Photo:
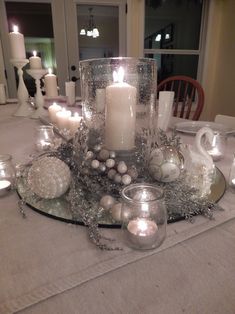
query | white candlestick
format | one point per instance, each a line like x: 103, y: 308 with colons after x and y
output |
x: 120, y: 115
x: 51, y: 84
x: 3, y: 98
x: 35, y: 62
x: 52, y: 110
x: 62, y: 119
x: 17, y: 44
x: 74, y: 123
x: 70, y: 92
x: 142, y: 232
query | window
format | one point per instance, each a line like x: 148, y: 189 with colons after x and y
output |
x: 173, y: 36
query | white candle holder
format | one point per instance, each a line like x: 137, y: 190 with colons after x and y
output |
x: 143, y: 216
x: 37, y: 74
x: 24, y: 109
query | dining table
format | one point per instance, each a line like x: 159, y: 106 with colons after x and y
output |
x: 51, y: 266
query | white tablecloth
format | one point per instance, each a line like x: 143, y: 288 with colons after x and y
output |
x: 47, y: 266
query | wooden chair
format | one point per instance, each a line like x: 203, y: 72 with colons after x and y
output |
x: 189, y: 96
x: 229, y: 121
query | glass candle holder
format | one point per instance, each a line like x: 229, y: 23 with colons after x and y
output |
x: 231, y: 180
x: 118, y: 100
x: 143, y: 216
x: 7, y: 174
x: 45, y: 138
x: 218, y: 146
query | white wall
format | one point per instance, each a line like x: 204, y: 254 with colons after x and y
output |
x: 219, y: 67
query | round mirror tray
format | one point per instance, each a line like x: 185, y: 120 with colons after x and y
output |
x: 59, y: 208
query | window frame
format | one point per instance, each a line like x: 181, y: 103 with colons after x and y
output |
x: 202, y: 42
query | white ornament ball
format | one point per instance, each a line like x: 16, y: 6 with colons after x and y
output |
x: 122, y: 167
x: 170, y: 172
x: 116, y: 211
x: 126, y: 179
x: 165, y: 164
x: 132, y: 171
x: 49, y: 177
x: 110, y: 163
x: 89, y: 154
x: 102, y: 167
x: 107, y: 202
x: 112, y: 154
x: 95, y: 164
x: 117, y: 178
x: 111, y: 174
x: 103, y: 154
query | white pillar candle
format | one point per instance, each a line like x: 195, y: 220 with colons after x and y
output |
x: 35, y: 62
x: 120, y: 114
x: 70, y: 92
x: 166, y: 99
x: 62, y: 119
x: 51, y: 84
x: 52, y: 110
x: 74, y: 123
x: 3, y: 98
x: 100, y: 99
x: 17, y: 44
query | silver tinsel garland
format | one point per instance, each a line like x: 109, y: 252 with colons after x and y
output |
x: 88, y: 187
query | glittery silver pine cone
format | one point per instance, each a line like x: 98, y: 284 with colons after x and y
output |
x: 49, y: 177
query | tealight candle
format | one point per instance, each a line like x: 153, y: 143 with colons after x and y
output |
x: 74, y: 123
x: 44, y: 138
x: 62, y: 119
x: 35, y: 62
x: 52, y: 110
x: 5, y: 186
x: 142, y: 232
x: 51, y: 84
x: 143, y: 216
x: 120, y: 115
x: 17, y: 44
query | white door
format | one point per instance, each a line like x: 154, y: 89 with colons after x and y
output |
x: 109, y: 17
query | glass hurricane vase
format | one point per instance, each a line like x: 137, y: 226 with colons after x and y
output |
x: 118, y: 101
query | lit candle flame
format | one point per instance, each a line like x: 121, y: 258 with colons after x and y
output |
x: 49, y: 71
x: 119, y: 75
x: 15, y: 29
x: 34, y: 53
x: 142, y: 225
